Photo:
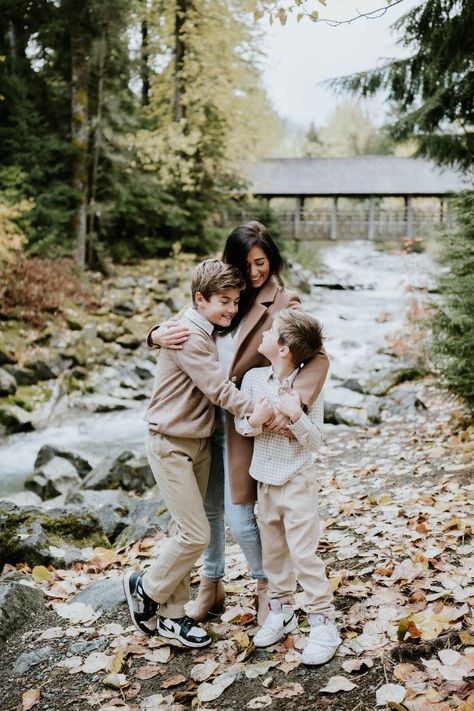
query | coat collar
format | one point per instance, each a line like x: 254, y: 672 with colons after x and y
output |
x: 265, y: 297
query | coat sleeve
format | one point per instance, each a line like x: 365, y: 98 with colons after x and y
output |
x: 311, y: 378
x: 153, y: 346
x: 202, y: 366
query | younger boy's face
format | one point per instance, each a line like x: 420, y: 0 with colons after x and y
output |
x: 221, y: 308
x: 270, y: 345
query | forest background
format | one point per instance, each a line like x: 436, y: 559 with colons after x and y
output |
x: 125, y: 125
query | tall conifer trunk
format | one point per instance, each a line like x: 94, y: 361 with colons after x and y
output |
x: 179, y: 52
x: 80, y: 124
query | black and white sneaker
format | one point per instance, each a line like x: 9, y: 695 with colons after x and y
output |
x: 183, y: 629
x: 142, y: 608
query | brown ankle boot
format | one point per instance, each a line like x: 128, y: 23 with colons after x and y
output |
x: 210, y: 600
x: 262, y: 601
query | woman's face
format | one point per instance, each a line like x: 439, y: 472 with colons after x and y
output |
x: 258, y: 267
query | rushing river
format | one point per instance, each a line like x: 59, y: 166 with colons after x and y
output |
x: 376, y: 279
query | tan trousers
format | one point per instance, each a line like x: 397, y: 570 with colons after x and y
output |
x: 181, y: 469
x: 288, y: 519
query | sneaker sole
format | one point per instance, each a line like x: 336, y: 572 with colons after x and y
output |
x: 129, y: 599
x: 184, y: 642
x: 285, y: 632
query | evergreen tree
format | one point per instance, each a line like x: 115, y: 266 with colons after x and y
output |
x: 432, y: 89
x: 453, y: 322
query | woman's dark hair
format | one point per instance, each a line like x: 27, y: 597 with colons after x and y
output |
x: 240, y: 242
x: 238, y: 245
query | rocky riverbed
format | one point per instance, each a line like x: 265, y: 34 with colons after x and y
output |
x: 79, y: 502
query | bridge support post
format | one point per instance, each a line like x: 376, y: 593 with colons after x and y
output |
x: 334, y: 219
x: 371, y: 220
x: 297, y: 218
x: 409, y: 215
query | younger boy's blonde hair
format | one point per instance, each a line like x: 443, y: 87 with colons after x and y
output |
x: 213, y: 277
x: 302, y: 333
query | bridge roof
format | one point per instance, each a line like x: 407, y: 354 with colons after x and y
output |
x: 356, y: 177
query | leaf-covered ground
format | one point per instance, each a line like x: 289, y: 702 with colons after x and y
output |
x: 397, y: 506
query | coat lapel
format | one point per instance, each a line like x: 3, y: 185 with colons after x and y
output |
x: 265, y: 297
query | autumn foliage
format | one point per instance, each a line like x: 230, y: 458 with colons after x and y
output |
x: 33, y: 288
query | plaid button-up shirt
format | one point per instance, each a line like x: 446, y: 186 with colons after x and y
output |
x: 276, y: 459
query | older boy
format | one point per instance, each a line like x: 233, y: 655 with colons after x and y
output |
x: 287, y: 487
x: 188, y: 383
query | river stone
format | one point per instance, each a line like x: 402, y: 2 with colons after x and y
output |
x: 8, y: 383
x: 31, y: 659
x: 57, y: 476
x: 127, y: 471
x: 102, y: 595
x: 352, y: 384
x: 14, y: 418
x: 22, y: 375
x: 105, y: 403
x: 146, y: 517
x: 124, y: 308
x: 38, y: 537
x: 8, y: 348
x: 113, y: 519
x: 129, y: 341
x: 48, y: 452
x: 402, y: 402
x: 380, y: 382
x: 17, y: 602
x: 109, y: 330
x: 352, y: 416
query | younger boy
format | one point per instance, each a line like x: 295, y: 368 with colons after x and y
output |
x: 188, y: 383
x: 287, y: 487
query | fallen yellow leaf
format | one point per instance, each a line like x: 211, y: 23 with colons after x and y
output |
x: 29, y: 699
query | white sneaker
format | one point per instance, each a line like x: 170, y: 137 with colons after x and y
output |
x: 322, y: 644
x: 277, y: 625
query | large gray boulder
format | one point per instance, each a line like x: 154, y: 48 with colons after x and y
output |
x: 57, y: 476
x: 380, y: 382
x: 127, y: 471
x: 7, y: 383
x: 48, y: 452
x: 146, y: 518
x: 102, y: 595
x: 38, y: 537
x: 17, y: 603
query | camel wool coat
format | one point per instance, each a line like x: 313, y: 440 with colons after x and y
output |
x: 309, y: 381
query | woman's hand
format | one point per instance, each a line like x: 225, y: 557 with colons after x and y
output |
x: 261, y: 413
x: 278, y: 423
x: 290, y: 404
x: 171, y: 334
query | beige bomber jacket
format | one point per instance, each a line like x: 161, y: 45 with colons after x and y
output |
x: 189, y: 382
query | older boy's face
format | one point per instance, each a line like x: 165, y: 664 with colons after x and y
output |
x: 221, y: 308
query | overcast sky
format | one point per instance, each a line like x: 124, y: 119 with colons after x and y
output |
x: 300, y: 56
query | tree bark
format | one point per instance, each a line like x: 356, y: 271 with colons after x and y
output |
x: 179, y: 53
x: 144, y: 66
x: 80, y: 126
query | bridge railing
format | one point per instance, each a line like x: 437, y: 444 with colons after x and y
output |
x: 357, y: 223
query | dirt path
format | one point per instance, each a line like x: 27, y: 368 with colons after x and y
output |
x: 396, y: 501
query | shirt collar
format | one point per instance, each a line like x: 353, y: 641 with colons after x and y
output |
x: 199, y: 320
x: 287, y: 381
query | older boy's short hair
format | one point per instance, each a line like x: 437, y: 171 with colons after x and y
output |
x: 213, y: 277
x: 302, y: 333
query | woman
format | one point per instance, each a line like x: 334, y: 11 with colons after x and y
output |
x: 231, y: 491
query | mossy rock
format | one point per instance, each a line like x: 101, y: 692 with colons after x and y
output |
x: 37, y: 537
x: 14, y: 418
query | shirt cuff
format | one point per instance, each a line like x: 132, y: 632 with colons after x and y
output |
x: 246, y: 429
x: 302, y: 425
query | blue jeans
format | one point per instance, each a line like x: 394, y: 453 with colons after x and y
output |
x: 239, y: 517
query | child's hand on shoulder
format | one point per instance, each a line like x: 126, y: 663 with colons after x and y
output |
x: 261, y: 413
x: 290, y: 404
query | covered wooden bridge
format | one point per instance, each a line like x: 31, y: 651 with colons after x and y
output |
x: 355, y: 192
